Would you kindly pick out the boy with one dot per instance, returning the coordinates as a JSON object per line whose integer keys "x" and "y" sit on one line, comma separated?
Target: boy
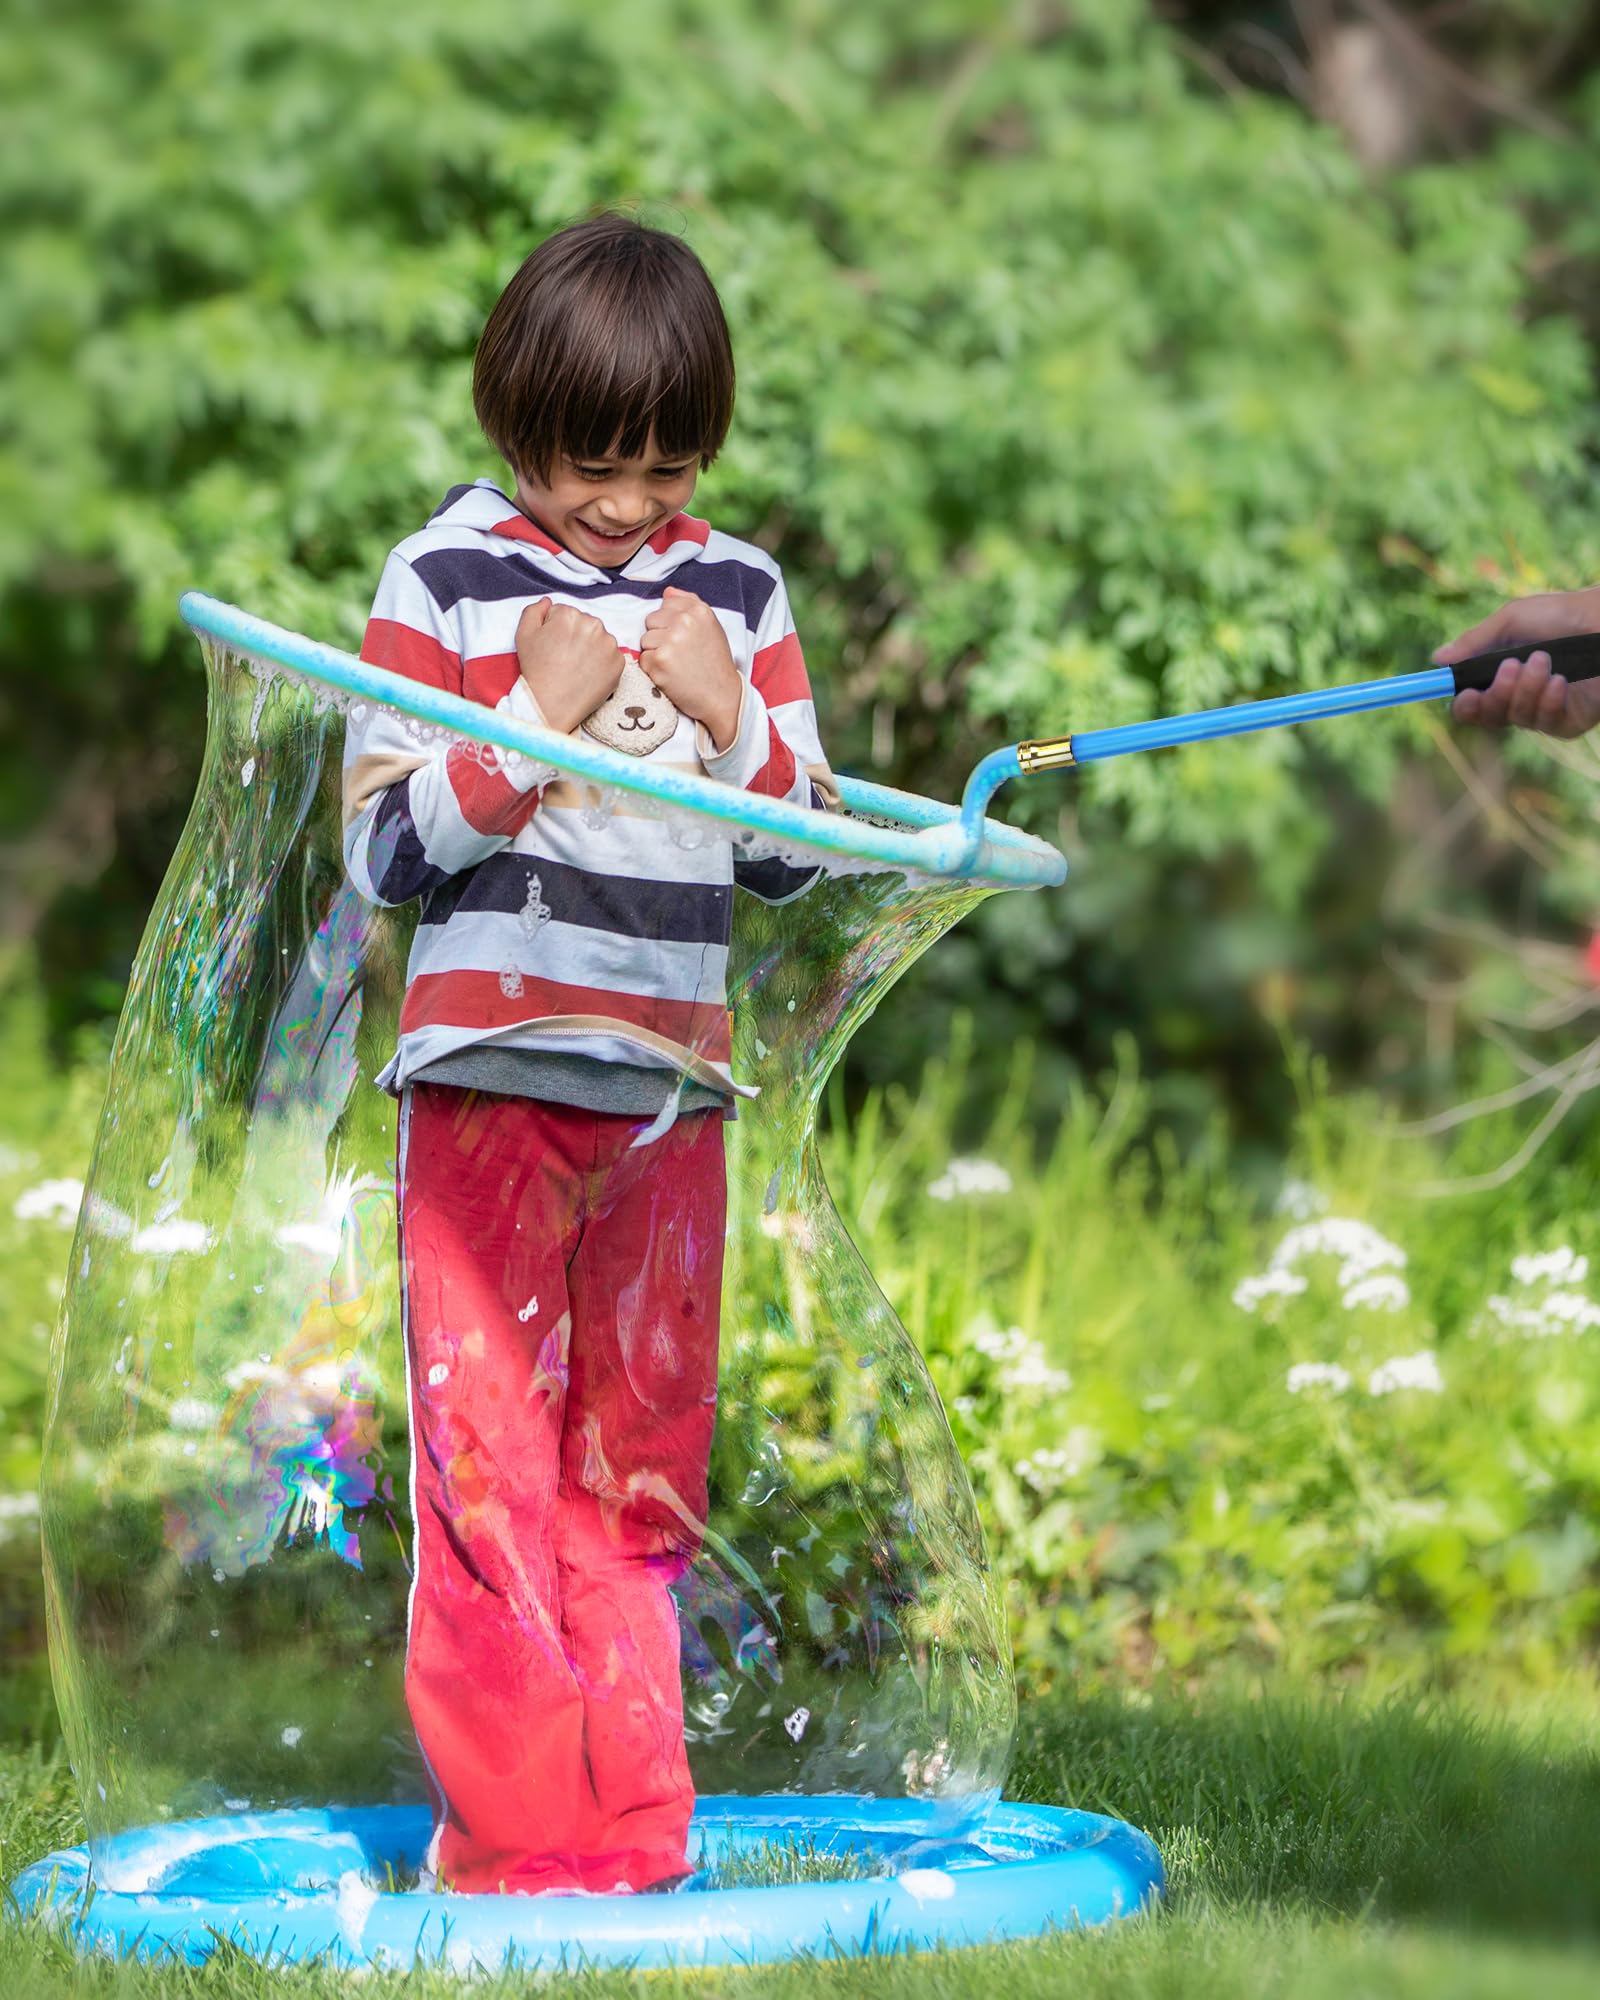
{"x": 563, "y": 1057}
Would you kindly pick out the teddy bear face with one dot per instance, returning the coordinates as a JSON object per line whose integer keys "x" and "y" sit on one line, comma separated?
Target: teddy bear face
{"x": 635, "y": 718}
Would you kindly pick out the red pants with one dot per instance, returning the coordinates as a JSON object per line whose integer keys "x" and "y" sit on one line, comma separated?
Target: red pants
{"x": 561, "y": 1297}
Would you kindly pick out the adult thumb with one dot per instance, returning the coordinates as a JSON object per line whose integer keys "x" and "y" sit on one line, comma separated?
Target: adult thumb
{"x": 1480, "y": 638}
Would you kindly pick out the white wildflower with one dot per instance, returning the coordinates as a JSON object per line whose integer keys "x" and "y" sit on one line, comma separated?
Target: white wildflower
{"x": 1556, "y": 1314}
{"x": 177, "y": 1236}
{"x": 1033, "y": 1370}
{"x": 189, "y": 1413}
{"x": 1407, "y": 1371}
{"x": 1306, "y": 1375}
{"x": 1573, "y": 1312}
{"x": 245, "y": 1372}
{"x": 1382, "y": 1292}
{"x": 320, "y": 1238}
{"x": 16, "y": 1507}
{"x": 14, "y": 1162}
{"x": 1300, "y": 1201}
{"x": 1046, "y": 1469}
{"x": 1361, "y": 1250}
{"x": 1556, "y": 1267}
{"x": 1558, "y": 1311}
{"x": 1023, "y": 1362}
{"x": 968, "y": 1177}
{"x": 106, "y": 1219}
{"x": 995, "y": 1345}
{"x": 291, "y": 1736}
{"x": 322, "y": 1233}
{"x": 1249, "y": 1293}
{"x": 50, "y": 1201}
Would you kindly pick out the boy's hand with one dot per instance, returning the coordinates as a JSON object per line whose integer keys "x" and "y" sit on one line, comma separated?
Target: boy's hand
{"x": 1528, "y": 694}
{"x": 569, "y": 660}
{"x": 685, "y": 652}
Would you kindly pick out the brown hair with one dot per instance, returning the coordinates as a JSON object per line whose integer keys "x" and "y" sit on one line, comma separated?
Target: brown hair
{"x": 610, "y": 330}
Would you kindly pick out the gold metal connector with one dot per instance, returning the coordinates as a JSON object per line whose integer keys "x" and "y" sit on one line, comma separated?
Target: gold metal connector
{"x": 1051, "y": 753}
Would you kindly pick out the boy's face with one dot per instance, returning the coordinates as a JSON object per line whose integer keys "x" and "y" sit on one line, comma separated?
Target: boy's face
{"x": 606, "y": 509}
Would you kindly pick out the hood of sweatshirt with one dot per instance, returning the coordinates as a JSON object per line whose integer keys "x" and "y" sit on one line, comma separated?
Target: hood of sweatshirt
{"x": 484, "y": 507}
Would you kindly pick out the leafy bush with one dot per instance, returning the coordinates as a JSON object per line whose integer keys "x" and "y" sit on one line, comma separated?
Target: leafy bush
{"x": 1070, "y": 392}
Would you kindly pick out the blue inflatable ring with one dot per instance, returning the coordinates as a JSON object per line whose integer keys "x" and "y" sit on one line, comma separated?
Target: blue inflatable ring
{"x": 299, "y": 1885}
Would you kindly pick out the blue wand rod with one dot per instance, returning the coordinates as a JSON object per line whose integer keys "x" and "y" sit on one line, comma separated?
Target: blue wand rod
{"x": 1577, "y": 658}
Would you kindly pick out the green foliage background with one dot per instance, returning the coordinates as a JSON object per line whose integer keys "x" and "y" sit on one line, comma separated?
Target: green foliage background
{"x": 1072, "y": 390}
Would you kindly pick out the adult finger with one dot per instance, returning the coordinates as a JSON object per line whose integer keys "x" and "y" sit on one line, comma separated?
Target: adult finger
{"x": 1551, "y": 715}
{"x": 1531, "y": 682}
{"x": 1494, "y": 711}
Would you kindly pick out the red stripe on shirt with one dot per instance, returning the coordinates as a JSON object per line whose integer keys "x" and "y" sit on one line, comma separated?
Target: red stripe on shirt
{"x": 778, "y": 672}
{"x": 776, "y": 775}
{"x": 489, "y": 802}
{"x": 478, "y": 1000}
{"x": 518, "y": 528}
{"x": 681, "y": 528}
{"x": 489, "y": 677}
{"x": 402, "y": 649}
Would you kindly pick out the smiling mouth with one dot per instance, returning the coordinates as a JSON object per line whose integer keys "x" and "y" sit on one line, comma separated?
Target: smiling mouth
{"x": 606, "y": 535}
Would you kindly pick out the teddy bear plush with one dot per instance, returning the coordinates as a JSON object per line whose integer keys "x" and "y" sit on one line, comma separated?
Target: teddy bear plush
{"x": 635, "y": 718}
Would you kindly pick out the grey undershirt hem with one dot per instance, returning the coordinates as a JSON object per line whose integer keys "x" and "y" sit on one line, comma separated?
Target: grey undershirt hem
{"x": 634, "y": 1089}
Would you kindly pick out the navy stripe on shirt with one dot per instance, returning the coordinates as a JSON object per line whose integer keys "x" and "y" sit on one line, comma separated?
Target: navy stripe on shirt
{"x": 453, "y": 574}
{"x": 396, "y": 859}
{"x": 661, "y": 912}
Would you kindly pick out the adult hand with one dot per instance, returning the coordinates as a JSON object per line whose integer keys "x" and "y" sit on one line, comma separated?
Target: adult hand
{"x": 1528, "y": 694}
{"x": 685, "y": 652}
{"x": 569, "y": 660}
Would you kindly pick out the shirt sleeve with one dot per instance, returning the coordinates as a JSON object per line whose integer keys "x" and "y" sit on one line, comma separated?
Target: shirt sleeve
{"x": 776, "y": 750}
{"x": 420, "y": 805}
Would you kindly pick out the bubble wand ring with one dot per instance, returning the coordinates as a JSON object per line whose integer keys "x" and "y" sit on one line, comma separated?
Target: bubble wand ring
{"x": 926, "y": 838}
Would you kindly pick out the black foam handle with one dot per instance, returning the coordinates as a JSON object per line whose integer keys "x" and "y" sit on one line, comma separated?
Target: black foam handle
{"x": 1576, "y": 658}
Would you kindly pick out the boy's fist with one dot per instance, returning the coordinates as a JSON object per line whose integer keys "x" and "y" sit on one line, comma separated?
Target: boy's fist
{"x": 685, "y": 652}
{"x": 569, "y": 660}
{"x": 1528, "y": 694}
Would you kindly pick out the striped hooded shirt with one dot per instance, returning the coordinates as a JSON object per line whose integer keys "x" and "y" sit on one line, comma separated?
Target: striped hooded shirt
{"x": 549, "y": 924}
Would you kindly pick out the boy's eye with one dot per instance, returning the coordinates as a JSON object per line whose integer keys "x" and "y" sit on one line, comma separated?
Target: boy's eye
{"x": 605, "y": 471}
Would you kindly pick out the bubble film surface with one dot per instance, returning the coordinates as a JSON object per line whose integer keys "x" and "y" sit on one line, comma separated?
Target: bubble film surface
{"x": 228, "y": 1522}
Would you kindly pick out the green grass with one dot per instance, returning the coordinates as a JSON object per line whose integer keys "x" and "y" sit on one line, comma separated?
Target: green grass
{"x": 1198, "y": 1519}
{"x": 1317, "y": 1845}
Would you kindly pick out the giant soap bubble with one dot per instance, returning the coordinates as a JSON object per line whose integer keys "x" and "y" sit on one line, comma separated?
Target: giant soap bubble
{"x": 227, "y": 1524}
